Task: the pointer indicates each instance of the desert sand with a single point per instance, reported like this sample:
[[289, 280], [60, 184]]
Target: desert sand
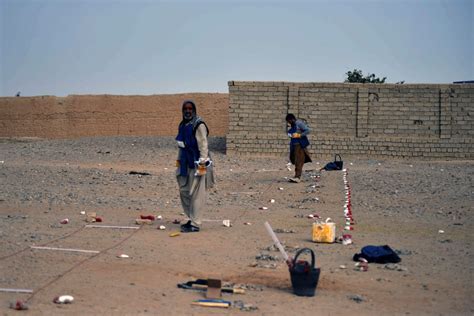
[[422, 209]]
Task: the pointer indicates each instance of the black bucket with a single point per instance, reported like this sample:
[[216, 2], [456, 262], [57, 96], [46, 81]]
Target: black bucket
[[304, 277]]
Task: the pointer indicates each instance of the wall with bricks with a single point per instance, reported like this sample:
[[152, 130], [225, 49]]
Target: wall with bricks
[[412, 120], [107, 115]]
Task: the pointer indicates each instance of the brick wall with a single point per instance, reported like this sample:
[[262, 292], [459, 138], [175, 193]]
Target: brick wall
[[107, 115], [412, 120]]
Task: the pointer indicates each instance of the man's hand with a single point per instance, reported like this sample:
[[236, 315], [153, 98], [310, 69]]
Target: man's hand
[[203, 161], [296, 135]]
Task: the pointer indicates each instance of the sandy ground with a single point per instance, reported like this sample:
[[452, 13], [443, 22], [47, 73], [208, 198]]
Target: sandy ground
[[400, 203]]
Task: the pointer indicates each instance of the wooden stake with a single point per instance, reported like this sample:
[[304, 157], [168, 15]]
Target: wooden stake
[[117, 227], [16, 290], [64, 249]]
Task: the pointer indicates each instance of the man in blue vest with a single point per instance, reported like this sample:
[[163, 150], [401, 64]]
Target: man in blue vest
[[194, 172], [299, 154]]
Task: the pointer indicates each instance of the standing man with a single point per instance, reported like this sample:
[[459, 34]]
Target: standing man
[[299, 154], [194, 173]]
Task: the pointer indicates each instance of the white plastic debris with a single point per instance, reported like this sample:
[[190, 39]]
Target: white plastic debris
[[263, 208], [272, 201], [83, 212], [281, 189], [342, 266], [64, 299], [123, 256], [159, 217], [226, 223], [162, 227], [441, 231]]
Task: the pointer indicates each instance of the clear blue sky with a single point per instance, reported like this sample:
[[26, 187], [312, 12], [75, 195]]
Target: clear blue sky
[[61, 47]]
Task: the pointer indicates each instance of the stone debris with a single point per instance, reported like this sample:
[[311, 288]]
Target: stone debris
[[395, 267], [267, 257], [284, 231], [244, 307], [357, 298]]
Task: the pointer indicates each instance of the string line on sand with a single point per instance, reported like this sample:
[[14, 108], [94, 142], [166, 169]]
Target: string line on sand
[[43, 244], [61, 275]]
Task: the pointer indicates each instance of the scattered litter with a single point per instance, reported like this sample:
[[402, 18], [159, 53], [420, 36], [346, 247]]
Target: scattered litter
[[159, 217], [281, 189], [345, 239], [19, 306], [446, 241], [63, 299], [226, 223], [83, 212], [395, 267], [91, 217], [123, 256], [310, 216], [175, 234], [439, 231], [244, 307], [342, 266], [247, 223], [250, 287], [362, 266], [356, 298], [150, 217], [64, 221], [206, 284], [272, 201], [263, 208], [403, 252], [265, 266], [351, 163], [162, 227], [140, 173], [266, 257], [284, 231]]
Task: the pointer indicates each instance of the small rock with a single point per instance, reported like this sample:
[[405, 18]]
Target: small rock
[[356, 298]]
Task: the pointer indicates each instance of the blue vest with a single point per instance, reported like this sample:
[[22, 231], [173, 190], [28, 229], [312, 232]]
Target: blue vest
[[190, 153], [303, 141]]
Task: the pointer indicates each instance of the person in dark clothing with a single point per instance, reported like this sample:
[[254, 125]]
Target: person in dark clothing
[[299, 142]]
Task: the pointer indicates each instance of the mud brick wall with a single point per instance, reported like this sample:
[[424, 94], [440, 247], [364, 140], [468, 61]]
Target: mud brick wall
[[386, 120], [107, 115]]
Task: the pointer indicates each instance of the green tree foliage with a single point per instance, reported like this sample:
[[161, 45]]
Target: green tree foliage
[[357, 76]]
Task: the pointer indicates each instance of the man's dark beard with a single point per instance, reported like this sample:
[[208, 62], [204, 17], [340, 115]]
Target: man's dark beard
[[188, 116]]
